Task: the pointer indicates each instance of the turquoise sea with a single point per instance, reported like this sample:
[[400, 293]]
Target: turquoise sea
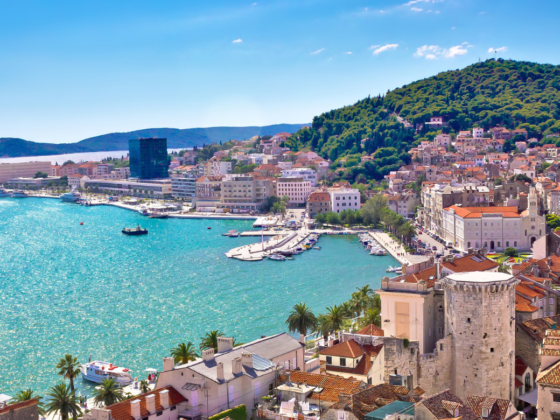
[[90, 290]]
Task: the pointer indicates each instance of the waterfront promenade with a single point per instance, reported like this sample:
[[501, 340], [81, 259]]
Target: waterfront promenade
[[397, 250]]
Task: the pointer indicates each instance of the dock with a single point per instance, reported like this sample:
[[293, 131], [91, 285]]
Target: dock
[[279, 242]]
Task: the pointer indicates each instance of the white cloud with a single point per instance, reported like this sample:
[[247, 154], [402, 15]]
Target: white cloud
[[254, 4], [348, 53], [501, 49], [373, 47], [318, 51], [411, 2], [237, 41], [386, 47], [432, 52], [482, 13], [415, 9], [453, 27]]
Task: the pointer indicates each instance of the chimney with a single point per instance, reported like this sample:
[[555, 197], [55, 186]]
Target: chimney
[[135, 409], [164, 398], [220, 372], [224, 344], [151, 403], [208, 355], [438, 273], [247, 359], [470, 251], [236, 366], [168, 364], [302, 339], [101, 413]]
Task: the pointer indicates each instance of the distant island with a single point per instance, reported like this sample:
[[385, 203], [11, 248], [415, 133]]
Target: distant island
[[189, 137]]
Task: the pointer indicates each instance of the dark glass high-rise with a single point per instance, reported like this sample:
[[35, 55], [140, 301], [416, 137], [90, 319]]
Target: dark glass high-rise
[[148, 158]]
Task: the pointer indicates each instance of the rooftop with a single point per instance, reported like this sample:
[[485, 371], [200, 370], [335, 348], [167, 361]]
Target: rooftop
[[480, 277], [122, 410]]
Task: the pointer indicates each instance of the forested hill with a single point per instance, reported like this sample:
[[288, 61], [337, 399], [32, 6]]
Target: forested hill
[[513, 94], [176, 138]]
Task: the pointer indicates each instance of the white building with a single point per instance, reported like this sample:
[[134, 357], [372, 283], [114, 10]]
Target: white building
[[150, 189], [74, 180], [494, 228], [478, 132], [345, 199], [184, 188], [295, 188], [234, 375], [307, 174], [257, 158], [22, 170]]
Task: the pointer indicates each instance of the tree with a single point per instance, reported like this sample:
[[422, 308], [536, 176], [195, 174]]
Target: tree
[[62, 401], [26, 395], [68, 162], [323, 327], [210, 340], [301, 319], [552, 221], [40, 174], [108, 393], [503, 268], [69, 368], [184, 353], [510, 252], [371, 316], [336, 316], [144, 387], [333, 218]]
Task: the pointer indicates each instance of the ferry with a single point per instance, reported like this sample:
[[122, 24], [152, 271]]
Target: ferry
[[4, 193], [99, 371], [70, 197], [19, 194], [135, 231]]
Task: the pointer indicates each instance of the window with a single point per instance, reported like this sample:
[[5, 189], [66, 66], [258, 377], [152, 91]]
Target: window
[[491, 349], [329, 360], [159, 413], [469, 320], [556, 398], [342, 361], [515, 244]]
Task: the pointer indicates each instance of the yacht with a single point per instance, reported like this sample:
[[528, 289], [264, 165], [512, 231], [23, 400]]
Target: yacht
[[4, 193], [70, 197], [99, 371], [277, 257], [19, 194], [143, 211]]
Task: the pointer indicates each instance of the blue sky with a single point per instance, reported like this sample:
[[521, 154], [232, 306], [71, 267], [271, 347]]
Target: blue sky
[[75, 69]]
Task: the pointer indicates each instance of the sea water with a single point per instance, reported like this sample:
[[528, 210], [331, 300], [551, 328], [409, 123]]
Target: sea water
[[89, 290]]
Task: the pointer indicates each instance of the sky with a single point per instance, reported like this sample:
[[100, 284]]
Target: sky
[[70, 70]]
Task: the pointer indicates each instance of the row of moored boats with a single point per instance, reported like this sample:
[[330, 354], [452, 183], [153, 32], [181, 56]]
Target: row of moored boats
[[309, 243], [372, 245]]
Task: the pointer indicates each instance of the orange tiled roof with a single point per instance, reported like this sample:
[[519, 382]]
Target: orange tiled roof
[[524, 305], [349, 348], [122, 411], [536, 328], [319, 196], [550, 375], [476, 212], [497, 408], [527, 291], [19, 405], [332, 385], [372, 330], [365, 363]]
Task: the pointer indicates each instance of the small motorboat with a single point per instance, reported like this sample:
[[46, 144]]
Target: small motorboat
[[4, 193], [99, 371], [135, 231], [19, 194], [158, 215], [277, 257], [209, 228], [317, 248], [392, 269]]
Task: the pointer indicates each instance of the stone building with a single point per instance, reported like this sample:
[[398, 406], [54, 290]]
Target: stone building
[[548, 379], [529, 336], [25, 410]]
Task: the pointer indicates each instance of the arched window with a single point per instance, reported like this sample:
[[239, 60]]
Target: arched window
[[515, 244], [507, 244], [528, 380], [498, 244]]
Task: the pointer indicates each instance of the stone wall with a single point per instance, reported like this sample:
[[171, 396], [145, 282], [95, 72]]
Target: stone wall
[[400, 360], [527, 348], [435, 369], [422, 413], [28, 412]]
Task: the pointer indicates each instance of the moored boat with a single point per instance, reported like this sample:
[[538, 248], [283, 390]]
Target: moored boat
[[98, 371], [4, 193], [70, 197], [277, 257], [135, 231], [19, 194], [158, 215]]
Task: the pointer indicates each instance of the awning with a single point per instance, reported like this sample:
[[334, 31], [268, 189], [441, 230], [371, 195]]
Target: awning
[[4, 398], [191, 387], [530, 397]]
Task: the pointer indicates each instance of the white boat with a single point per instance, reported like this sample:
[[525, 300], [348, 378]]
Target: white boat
[[99, 371], [70, 197], [277, 257], [4, 193], [232, 233], [392, 269], [19, 194], [143, 211]]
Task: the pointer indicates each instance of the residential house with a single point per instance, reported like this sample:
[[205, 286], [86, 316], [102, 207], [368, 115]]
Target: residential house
[[529, 336], [548, 378], [442, 406], [318, 202]]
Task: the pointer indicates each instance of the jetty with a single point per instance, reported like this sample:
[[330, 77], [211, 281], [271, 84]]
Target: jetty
[[260, 250]]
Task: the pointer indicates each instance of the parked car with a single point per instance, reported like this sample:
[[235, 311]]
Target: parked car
[[434, 248]]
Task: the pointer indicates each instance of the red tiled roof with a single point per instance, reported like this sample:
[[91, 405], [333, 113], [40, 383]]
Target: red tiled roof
[[439, 404], [364, 365], [497, 408], [18, 405], [319, 196], [550, 375], [332, 385], [536, 328], [371, 330], [122, 411], [527, 291], [520, 366], [475, 212], [349, 348], [524, 305]]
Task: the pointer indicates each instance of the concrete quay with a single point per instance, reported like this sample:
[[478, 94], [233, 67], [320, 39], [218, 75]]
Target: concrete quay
[[258, 251], [394, 248]]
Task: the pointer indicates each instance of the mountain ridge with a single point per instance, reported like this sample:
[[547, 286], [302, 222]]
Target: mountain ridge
[[176, 138]]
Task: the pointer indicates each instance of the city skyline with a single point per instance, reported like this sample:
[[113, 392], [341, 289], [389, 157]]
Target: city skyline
[[81, 70]]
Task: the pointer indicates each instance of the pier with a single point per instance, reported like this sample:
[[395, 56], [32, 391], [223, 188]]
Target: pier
[[260, 250]]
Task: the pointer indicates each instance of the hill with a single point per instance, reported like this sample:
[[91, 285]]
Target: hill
[[13, 147], [513, 94]]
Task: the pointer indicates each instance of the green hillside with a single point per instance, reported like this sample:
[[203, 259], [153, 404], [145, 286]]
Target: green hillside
[[513, 94]]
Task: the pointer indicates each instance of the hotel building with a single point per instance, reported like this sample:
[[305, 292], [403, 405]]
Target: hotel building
[[345, 199], [296, 189], [22, 170], [146, 189]]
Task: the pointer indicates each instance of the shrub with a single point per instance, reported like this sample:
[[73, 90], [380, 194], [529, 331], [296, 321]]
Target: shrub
[[235, 413], [406, 343], [510, 252]]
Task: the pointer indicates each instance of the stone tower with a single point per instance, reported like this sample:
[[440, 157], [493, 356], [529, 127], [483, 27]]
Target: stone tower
[[480, 316]]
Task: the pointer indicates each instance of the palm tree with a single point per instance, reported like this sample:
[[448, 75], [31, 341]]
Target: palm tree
[[210, 340], [301, 319], [323, 327], [503, 268], [26, 395], [184, 353], [69, 368], [108, 393], [407, 231], [62, 401], [236, 343], [371, 316], [336, 315], [144, 387]]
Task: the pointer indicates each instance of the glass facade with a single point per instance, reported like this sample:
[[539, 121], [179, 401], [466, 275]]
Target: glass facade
[[148, 158]]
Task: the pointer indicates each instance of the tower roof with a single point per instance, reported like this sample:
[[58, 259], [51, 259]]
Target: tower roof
[[480, 277]]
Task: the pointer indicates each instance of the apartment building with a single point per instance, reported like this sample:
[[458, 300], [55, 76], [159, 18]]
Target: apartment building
[[244, 192], [22, 170], [208, 187], [158, 189], [318, 202], [184, 187], [296, 189], [307, 174], [345, 199]]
